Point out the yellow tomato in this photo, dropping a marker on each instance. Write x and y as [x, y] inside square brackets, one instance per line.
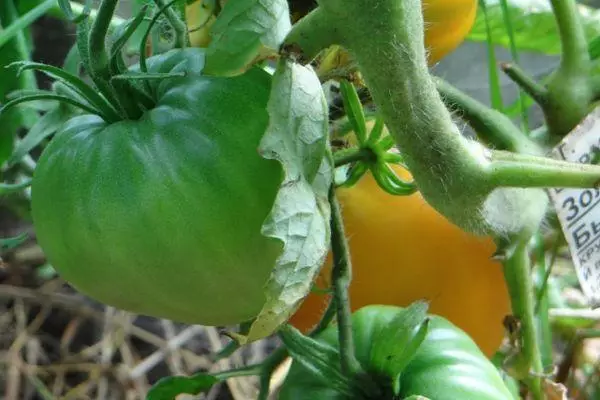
[447, 23]
[403, 250]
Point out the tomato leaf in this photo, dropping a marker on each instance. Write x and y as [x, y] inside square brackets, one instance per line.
[43, 128]
[396, 343]
[301, 213]
[244, 32]
[170, 387]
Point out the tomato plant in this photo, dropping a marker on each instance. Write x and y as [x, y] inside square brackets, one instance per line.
[446, 365]
[402, 250]
[197, 185]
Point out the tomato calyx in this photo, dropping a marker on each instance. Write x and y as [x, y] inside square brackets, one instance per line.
[391, 350]
[408, 354]
[117, 93]
[323, 362]
[373, 150]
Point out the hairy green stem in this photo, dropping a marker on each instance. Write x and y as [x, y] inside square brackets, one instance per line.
[517, 273]
[522, 170]
[312, 34]
[569, 90]
[542, 302]
[77, 8]
[454, 174]
[492, 126]
[575, 58]
[344, 157]
[341, 276]
[528, 84]
[181, 34]
[99, 59]
[386, 39]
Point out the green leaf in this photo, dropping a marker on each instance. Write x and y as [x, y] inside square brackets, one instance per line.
[12, 242]
[296, 137]
[7, 139]
[354, 111]
[170, 387]
[396, 343]
[105, 109]
[11, 31]
[17, 48]
[46, 126]
[246, 31]
[533, 23]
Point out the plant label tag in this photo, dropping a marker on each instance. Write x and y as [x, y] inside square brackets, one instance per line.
[579, 209]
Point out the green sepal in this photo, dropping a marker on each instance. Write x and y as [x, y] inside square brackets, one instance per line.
[396, 344]
[320, 360]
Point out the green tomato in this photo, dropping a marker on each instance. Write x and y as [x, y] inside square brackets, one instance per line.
[162, 216]
[448, 365]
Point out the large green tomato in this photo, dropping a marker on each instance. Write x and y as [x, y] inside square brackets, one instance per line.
[448, 365]
[162, 216]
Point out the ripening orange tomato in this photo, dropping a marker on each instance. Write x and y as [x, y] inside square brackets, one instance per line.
[403, 250]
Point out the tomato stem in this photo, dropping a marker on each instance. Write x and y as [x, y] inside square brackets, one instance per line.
[570, 91]
[267, 367]
[457, 176]
[491, 126]
[575, 58]
[99, 61]
[526, 82]
[341, 275]
[56, 12]
[322, 34]
[517, 272]
[348, 156]
[526, 171]
[178, 25]
[542, 305]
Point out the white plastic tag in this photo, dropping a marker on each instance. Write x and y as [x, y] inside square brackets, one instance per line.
[579, 209]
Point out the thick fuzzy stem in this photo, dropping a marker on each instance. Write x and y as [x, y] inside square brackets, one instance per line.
[525, 171]
[491, 125]
[341, 277]
[312, 34]
[386, 39]
[181, 34]
[99, 60]
[569, 91]
[575, 58]
[454, 174]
